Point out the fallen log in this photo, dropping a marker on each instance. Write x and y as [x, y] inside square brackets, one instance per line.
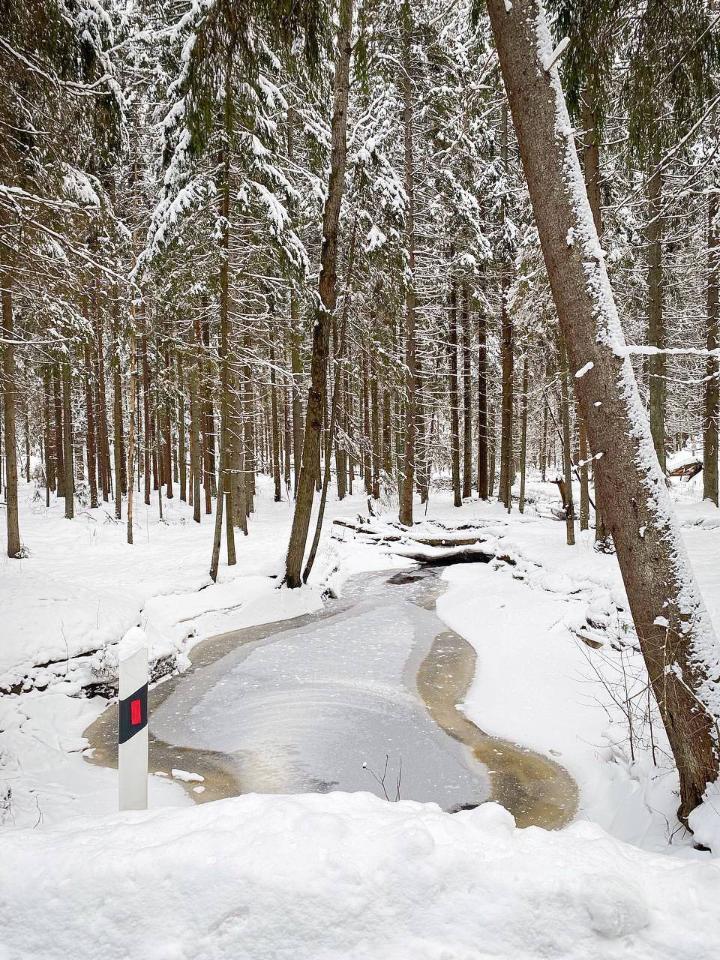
[441, 541]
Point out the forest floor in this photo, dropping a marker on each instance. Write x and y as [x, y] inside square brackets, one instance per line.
[344, 875]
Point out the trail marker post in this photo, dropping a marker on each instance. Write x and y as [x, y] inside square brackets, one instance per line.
[132, 721]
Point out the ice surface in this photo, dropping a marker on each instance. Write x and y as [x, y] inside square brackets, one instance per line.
[320, 707]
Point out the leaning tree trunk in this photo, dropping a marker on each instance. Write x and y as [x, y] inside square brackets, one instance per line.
[673, 627]
[328, 298]
[712, 389]
[9, 393]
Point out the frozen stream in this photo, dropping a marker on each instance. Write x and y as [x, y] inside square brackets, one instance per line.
[363, 692]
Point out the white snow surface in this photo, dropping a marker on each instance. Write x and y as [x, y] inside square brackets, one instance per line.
[345, 876]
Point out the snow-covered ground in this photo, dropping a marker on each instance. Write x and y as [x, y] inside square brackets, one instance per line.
[343, 875]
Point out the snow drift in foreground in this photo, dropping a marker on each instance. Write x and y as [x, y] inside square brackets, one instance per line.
[345, 876]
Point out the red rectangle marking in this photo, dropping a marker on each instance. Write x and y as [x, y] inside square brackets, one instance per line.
[135, 712]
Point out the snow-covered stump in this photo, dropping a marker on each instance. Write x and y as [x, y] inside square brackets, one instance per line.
[132, 721]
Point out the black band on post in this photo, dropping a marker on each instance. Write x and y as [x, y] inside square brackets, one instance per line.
[132, 714]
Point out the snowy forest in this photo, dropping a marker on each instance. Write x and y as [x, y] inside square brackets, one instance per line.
[360, 380]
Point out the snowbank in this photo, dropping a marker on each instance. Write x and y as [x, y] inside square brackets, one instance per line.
[705, 819]
[82, 587]
[345, 876]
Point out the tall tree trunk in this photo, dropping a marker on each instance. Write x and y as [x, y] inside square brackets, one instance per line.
[387, 439]
[277, 477]
[376, 438]
[287, 438]
[492, 449]
[69, 484]
[506, 355]
[182, 452]
[568, 502]
[328, 299]
[712, 389]
[507, 399]
[165, 420]
[248, 456]
[297, 369]
[673, 627]
[103, 457]
[421, 440]
[132, 413]
[195, 454]
[367, 444]
[49, 440]
[59, 435]
[90, 436]
[237, 453]
[27, 446]
[334, 407]
[147, 417]
[523, 432]
[584, 474]
[340, 451]
[407, 484]
[224, 480]
[544, 438]
[14, 547]
[453, 397]
[467, 393]
[118, 451]
[657, 364]
[482, 434]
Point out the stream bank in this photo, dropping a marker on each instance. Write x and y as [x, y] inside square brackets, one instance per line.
[362, 695]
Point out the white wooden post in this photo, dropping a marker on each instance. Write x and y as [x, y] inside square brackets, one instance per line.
[132, 721]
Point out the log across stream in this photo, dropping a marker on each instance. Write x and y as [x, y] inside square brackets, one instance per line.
[363, 695]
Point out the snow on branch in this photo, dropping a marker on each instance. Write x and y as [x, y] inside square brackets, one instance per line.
[556, 54]
[634, 350]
